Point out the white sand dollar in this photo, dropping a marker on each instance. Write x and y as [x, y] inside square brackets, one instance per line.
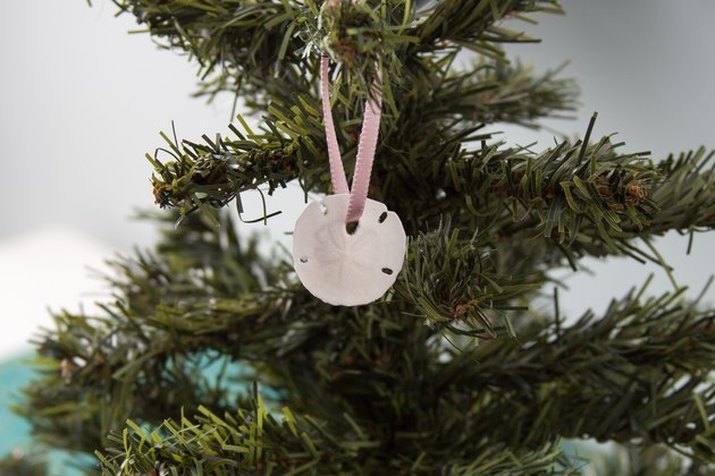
[346, 269]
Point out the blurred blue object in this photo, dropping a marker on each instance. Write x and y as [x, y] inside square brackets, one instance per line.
[14, 431]
[15, 374]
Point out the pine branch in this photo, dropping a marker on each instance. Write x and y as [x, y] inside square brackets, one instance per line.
[202, 299]
[93, 381]
[245, 39]
[455, 285]
[249, 441]
[555, 193]
[473, 25]
[198, 299]
[640, 375]
[253, 441]
[165, 320]
[196, 305]
[238, 45]
[584, 199]
[97, 371]
[492, 92]
[292, 145]
[572, 200]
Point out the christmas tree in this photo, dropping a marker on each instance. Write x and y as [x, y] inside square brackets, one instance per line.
[214, 358]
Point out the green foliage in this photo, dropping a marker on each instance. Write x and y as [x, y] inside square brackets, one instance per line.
[143, 357]
[291, 143]
[238, 43]
[455, 371]
[453, 284]
[255, 442]
[633, 375]
[250, 442]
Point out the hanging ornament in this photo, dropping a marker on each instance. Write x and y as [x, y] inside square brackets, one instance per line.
[347, 248]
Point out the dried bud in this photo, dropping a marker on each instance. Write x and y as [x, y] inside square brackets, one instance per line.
[162, 192]
[636, 193]
[460, 310]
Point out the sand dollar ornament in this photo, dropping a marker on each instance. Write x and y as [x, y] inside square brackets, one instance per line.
[344, 268]
[347, 248]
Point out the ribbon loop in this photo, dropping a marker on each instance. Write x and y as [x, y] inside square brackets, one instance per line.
[366, 147]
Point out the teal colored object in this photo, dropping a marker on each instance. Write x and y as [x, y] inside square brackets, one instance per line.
[14, 431]
[16, 374]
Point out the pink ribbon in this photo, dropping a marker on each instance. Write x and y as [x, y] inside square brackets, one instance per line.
[366, 147]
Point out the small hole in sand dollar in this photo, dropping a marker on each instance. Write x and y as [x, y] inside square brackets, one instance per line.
[387, 271]
[382, 218]
[303, 259]
[323, 209]
[351, 227]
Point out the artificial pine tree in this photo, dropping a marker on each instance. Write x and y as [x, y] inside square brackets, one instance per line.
[214, 359]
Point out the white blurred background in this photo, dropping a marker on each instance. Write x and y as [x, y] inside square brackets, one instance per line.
[81, 101]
